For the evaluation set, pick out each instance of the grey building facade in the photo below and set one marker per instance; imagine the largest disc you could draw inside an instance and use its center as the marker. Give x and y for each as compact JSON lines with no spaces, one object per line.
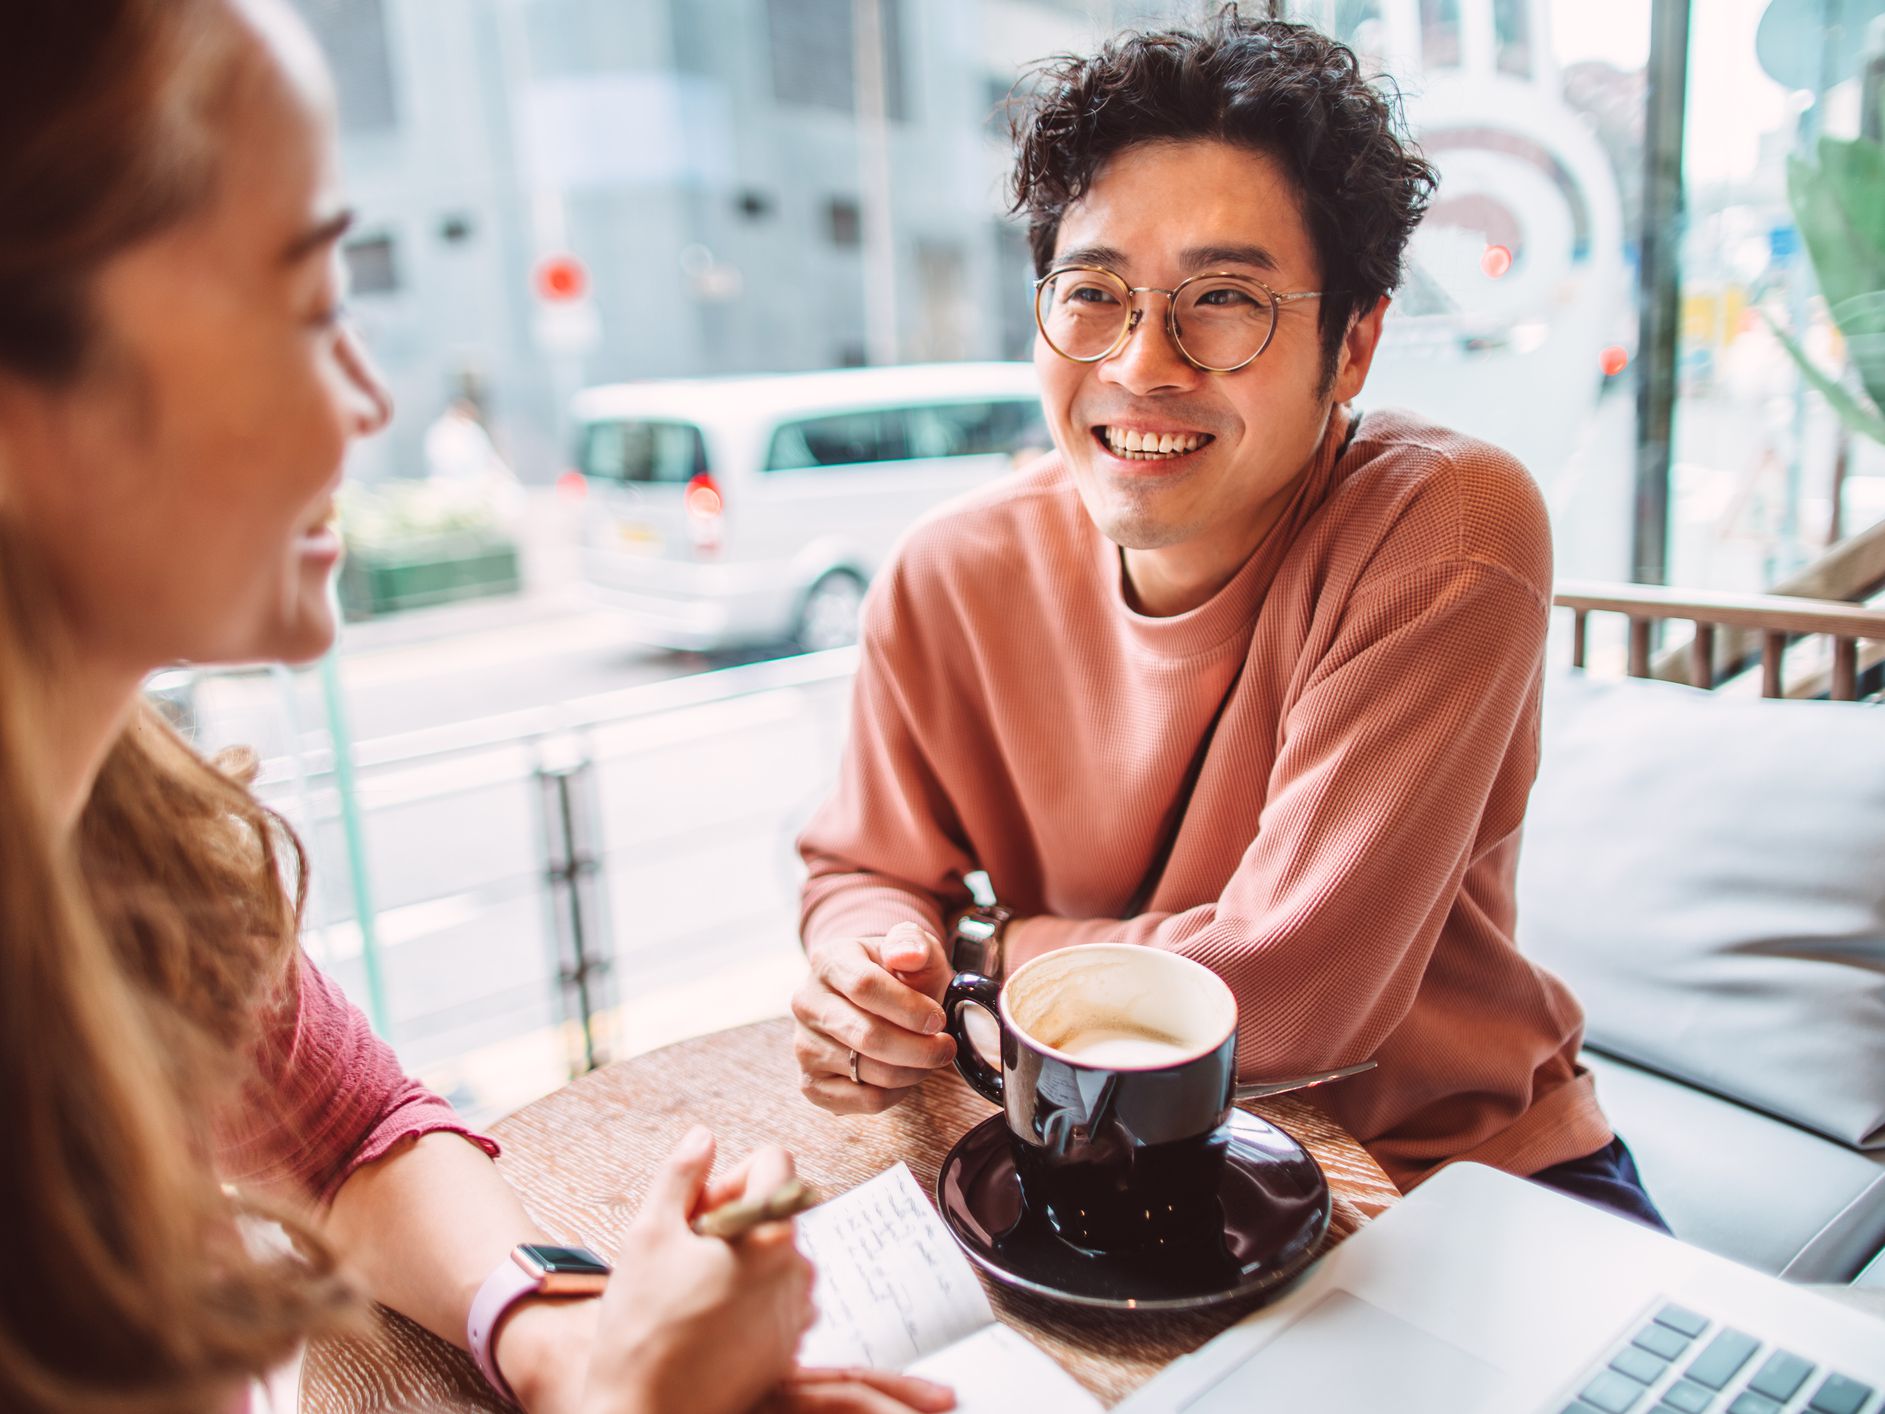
{"x":701,"y":158}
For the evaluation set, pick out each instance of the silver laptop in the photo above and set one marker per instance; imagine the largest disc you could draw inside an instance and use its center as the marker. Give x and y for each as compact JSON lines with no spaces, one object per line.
{"x":1481,"y":1293}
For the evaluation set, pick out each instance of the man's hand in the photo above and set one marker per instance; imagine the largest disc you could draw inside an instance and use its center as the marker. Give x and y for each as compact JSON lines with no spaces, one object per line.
{"x":878,"y":996}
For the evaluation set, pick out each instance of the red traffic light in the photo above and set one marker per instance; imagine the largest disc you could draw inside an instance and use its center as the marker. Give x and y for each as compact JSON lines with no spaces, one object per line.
{"x":561,"y":278}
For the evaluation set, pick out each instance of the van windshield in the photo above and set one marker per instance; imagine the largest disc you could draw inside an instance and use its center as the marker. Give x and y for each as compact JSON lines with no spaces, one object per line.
{"x":668,"y":452}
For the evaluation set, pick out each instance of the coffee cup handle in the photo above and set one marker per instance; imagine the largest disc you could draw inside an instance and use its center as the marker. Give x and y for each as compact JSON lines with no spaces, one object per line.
{"x":973,"y":989}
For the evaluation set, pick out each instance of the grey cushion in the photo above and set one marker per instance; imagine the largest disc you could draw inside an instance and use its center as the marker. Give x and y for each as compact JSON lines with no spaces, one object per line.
{"x":1759,"y":1190}
{"x":1708,"y":873}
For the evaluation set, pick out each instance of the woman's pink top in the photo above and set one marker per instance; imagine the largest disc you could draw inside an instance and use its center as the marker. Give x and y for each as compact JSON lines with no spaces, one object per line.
{"x":329,"y":1097}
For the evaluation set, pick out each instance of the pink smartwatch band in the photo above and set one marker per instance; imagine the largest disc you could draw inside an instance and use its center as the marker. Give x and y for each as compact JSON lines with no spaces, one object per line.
{"x":504,"y":1288}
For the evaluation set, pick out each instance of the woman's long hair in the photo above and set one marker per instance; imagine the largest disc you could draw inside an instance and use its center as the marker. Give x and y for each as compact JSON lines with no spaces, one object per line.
{"x":137,"y":952}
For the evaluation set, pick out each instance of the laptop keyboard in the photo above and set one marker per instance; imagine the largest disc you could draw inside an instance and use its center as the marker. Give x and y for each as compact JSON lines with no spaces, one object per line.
{"x":1680,"y":1362}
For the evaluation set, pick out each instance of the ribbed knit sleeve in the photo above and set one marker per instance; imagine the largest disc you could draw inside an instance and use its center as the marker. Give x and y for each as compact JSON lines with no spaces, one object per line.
{"x":1379,"y":797}
{"x":328,"y":1097}
{"x":886,"y":847}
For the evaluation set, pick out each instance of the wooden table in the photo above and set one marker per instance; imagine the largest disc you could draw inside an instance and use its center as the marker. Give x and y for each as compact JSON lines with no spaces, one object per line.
{"x":583,"y":1156}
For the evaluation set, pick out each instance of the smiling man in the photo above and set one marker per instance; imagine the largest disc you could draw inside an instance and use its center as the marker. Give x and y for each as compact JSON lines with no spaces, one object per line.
{"x":1238,"y":671}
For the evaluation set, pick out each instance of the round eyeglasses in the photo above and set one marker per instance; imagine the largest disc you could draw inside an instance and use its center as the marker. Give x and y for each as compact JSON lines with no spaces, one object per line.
{"x":1218,"y":321}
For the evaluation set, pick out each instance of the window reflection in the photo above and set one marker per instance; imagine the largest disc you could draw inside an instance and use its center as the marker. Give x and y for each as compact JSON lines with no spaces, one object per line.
{"x":1517,"y":317}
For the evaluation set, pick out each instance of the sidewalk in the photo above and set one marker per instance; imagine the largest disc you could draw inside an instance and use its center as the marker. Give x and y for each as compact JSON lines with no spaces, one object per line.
{"x":533,"y":605}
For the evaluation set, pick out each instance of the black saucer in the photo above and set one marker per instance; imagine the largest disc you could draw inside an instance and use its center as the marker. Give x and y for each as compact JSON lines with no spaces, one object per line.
{"x":1275,"y":1205}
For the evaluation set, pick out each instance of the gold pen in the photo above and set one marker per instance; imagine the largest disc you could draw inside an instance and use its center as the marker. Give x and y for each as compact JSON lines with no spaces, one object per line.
{"x":736,"y":1219}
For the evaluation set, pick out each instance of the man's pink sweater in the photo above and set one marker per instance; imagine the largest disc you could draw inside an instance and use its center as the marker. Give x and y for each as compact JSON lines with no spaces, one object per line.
{"x":1346,"y":859}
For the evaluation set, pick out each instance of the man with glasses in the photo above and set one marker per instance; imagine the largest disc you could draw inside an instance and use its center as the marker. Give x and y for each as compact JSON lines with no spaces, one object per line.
{"x":1238,"y":671}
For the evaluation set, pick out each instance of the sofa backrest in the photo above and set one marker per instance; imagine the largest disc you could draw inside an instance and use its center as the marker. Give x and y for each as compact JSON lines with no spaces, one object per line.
{"x":1707,"y":871}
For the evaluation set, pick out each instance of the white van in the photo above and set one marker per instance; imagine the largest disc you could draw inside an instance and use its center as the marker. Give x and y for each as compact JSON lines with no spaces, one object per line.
{"x":723,"y":512}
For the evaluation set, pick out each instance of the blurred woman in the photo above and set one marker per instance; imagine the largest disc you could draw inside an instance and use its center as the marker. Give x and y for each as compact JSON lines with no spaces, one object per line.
{"x":178,"y":389}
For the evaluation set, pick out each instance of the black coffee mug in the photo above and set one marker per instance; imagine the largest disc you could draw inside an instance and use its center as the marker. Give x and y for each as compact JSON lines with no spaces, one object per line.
{"x":1117,"y":1070}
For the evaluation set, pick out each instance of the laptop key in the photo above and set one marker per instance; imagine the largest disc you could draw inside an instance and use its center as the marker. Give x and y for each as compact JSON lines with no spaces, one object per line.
{"x":1781,"y":1377}
{"x":1612,"y":1393}
{"x":1722,"y":1358}
{"x":1681,"y":1318}
{"x":1665,"y":1341}
{"x":1839,"y":1395}
{"x":1639,"y":1365}
{"x":1689,"y":1397}
{"x":1748,"y":1402}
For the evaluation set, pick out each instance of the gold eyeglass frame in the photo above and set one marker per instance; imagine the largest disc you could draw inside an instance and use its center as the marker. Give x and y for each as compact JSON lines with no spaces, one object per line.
{"x":1136,"y":314}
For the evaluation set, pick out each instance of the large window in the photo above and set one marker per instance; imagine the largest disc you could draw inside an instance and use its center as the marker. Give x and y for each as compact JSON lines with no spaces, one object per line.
{"x":1518,"y":314}
{"x":1767,"y":477}
{"x":555,"y":196}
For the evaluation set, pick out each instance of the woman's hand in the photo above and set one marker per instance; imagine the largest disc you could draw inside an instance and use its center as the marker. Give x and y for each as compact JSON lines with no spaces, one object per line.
{"x":693,"y":1322}
{"x":698,"y":1323}
{"x":857,"y":1392}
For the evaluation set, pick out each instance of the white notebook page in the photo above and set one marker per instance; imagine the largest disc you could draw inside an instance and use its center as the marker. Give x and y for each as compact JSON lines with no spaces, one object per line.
{"x":998,"y":1371}
{"x":892,"y":1285}
{"x":895,"y":1292}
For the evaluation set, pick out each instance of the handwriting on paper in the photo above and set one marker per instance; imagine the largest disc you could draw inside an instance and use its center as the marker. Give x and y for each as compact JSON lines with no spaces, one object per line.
{"x":892,"y":1286}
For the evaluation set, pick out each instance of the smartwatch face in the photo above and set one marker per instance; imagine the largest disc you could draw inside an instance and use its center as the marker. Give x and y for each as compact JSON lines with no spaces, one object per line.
{"x":545,"y":1261}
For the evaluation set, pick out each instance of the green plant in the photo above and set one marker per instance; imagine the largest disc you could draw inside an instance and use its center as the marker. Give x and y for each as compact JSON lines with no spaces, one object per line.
{"x":1839,"y":205}
{"x":401,"y":514}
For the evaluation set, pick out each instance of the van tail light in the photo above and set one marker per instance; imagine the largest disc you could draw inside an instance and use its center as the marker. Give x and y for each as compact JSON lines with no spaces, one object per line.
{"x":706,"y":520}
{"x":572,"y":485}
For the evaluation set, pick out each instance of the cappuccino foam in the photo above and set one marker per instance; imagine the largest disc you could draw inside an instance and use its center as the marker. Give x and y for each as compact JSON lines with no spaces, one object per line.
{"x":1124,"y":1048}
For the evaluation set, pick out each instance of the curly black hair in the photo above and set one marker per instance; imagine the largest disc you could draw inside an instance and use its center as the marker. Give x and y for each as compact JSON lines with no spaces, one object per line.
{"x":1282,"y":89}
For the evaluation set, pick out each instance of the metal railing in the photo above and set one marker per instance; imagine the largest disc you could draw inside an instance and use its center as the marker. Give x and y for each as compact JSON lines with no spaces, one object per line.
{"x":650,"y":824}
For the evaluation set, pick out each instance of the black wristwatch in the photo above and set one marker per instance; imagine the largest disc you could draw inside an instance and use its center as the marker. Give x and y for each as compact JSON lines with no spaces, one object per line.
{"x":975,"y":945}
